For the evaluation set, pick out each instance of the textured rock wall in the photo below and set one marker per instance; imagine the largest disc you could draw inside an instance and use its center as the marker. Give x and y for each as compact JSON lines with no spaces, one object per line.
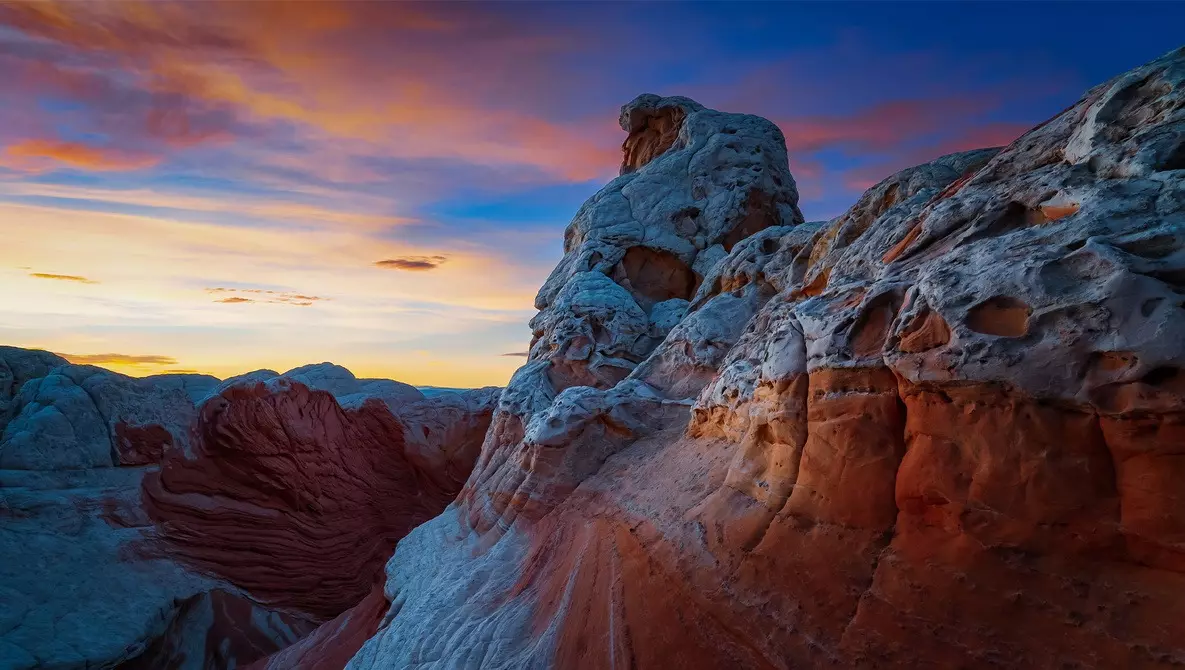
{"x":938,"y":431}
{"x":286,"y":499}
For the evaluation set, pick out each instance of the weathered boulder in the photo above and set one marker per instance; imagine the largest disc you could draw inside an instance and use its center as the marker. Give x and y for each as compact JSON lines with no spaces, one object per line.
{"x":944,"y":434}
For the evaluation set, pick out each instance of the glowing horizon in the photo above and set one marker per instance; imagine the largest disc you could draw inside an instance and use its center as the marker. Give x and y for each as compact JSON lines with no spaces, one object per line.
{"x":385,"y":186}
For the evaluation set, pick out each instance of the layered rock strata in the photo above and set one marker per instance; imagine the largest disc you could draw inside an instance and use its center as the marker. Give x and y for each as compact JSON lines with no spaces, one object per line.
{"x":299,"y":500}
{"x":938,"y":431}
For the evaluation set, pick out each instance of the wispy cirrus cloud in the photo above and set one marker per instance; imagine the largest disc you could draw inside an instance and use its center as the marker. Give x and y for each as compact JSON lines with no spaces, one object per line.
{"x":236,"y":296}
{"x":56,"y":277}
{"x":39,"y":155}
{"x":412,"y":263}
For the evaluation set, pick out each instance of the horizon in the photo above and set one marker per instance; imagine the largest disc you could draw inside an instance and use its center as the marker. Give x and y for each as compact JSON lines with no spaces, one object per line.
{"x":184,"y":190}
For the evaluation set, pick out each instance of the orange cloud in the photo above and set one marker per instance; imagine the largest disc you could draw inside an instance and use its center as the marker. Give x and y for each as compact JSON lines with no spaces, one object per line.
{"x":881,"y":126}
{"x":267,"y":296}
{"x":412,"y":263}
{"x":117,"y":359}
{"x":37,"y":155}
{"x":398,"y":77}
{"x":73,"y":278}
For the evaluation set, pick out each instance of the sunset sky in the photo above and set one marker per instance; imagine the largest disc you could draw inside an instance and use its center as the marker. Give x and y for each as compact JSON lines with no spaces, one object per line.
{"x":220,"y":187}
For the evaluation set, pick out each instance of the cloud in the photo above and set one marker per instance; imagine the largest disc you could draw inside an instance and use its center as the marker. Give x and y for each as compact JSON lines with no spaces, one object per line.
{"x":73,"y":278}
{"x":213,"y":204}
{"x":412,"y":263}
{"x":118,"y":359}
{"x":265,"y":296}
{"x":882,"y":126}
{"x":37,"y":155}
{"x":399,"y":78}
{"x":521,"y":354}
{"x":982,"y":137}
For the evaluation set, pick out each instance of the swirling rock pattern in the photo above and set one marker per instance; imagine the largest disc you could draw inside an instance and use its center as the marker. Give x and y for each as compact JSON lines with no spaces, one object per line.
{"x":945,"y":432}
{"x":299,"y":501}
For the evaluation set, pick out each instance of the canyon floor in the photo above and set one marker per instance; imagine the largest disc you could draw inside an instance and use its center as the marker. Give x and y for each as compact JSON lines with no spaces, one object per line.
{"x":945,"y":429}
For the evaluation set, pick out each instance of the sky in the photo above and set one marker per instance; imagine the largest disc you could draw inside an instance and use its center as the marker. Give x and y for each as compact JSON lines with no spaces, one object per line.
{"x":225,"y":186}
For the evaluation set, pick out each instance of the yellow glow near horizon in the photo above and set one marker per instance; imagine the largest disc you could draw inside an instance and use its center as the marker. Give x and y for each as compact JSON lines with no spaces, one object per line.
{"x":141,"y":287}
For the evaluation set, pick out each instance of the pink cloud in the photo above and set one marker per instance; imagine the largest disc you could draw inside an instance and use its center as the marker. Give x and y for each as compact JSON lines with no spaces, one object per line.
{"x":400,"y":77}
{"x":36,"y":155}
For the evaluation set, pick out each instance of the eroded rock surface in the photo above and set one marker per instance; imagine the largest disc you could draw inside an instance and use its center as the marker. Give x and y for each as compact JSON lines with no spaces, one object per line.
{"x":105,"y":565}
{"x":81,"y":583}
{"x":81,"y":416}
{"x":298,"y":499}
{"x":939,"y":431}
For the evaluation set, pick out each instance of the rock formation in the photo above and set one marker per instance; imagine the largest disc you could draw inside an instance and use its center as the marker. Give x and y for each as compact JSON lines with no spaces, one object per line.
{"x":941,"y":430}
{"x":299,"y":500}
{"x":89,"y":580}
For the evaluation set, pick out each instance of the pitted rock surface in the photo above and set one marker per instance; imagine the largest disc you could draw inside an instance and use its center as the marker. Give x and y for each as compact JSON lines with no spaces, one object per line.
{"x":944,"y":434}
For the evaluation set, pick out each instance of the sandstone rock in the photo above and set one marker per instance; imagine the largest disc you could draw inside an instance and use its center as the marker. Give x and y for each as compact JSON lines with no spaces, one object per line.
{"x":334,"y":642}
{"x":269,"y":479}
{"x":196,"y":386}
{"x":81,"y":586}
{"x":80,"y":416}
{"x":945,"y":434}
{"x":299,"y":500}
{"x":18,"y":366}
{"x":349,"y":391}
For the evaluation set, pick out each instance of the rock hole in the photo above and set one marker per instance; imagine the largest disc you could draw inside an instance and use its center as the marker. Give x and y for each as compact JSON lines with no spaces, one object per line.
{"x":760,"y":213}
{"x":872,"y":326}
{"x":1002,"y":316}
{"x":1149,"y":306}
{"x":1164,"y":375}
{"x":817,"y":285}
{"x":655,"y":275}
{"x":926,"y":331}
{"x":1154,"y":247}
{"x":1112,"y":361}
{"x":769,"y":246}
{"x":1174,"y":277}
{"x":1175,"y":159}
{"x":1054,"y":212}
{"x":653,"y":132}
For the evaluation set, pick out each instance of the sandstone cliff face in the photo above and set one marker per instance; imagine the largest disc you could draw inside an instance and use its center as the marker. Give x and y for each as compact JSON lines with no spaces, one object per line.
{"x":939,"y":431}
{"x":163,"y":522}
